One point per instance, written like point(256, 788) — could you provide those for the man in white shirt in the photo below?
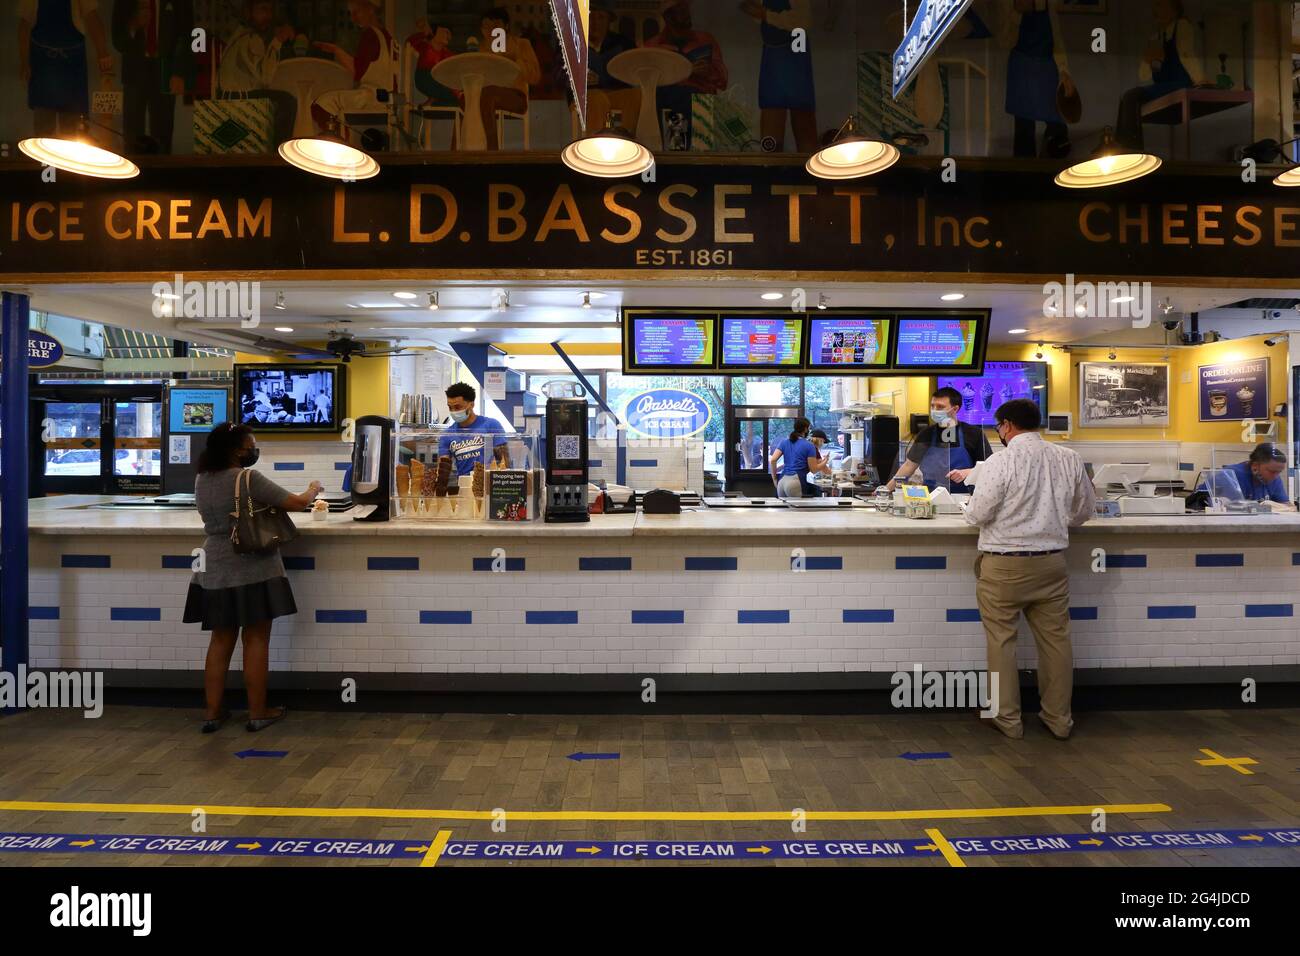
point(1026, 500)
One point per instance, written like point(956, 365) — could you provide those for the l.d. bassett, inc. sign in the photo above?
point(667, 413)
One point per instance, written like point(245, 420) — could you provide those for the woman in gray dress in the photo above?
point(237, 591)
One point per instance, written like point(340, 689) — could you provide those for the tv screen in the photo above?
point(940, 342)
point(666, 343)
point(194, 410)
point(761, 341)
point(290, 397)
point(1001, 382)
point(844, 343)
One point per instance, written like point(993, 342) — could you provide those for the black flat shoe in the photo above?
point(213, 724)
point(253, 726)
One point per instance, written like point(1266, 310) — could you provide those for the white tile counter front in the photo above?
point(726, 592)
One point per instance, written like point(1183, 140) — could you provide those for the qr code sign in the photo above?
point(567, 447)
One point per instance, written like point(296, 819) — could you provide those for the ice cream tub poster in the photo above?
point(1233, 391)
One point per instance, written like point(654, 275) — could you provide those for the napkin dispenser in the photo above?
point(661, 502)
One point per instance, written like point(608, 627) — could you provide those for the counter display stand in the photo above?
point(439, 479)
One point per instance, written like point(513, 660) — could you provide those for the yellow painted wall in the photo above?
point(367, 389)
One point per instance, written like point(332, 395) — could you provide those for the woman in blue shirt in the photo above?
point(1260, 476)
point(797, 457)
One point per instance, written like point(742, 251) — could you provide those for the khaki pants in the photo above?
point(1040, 587)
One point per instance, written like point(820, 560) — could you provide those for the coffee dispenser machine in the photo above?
point(374, 446)
point(566, 459)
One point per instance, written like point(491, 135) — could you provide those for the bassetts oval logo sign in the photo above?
point(667, 413)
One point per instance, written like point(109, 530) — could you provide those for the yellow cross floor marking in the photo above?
point(435, 848)
point(945, 848)
point(1234, 762)
point(393, 813)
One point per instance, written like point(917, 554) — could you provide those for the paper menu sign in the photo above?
point(494, 384)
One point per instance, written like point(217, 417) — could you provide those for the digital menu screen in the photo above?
point(1001, 382)
point(845, 342)
point(753, 341)
point(663, 342)
point(937, 342)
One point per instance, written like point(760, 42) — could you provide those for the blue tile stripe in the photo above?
point(643, 463)
point(446, 617)
point(177, 562)
point(658, 617)
point(711, 564)
point(299, 562)
point(595, 463)
point(35, 613)
point(1083, 614)
point(1125, 561)
point(1186, 466)
point(1220, 560)
point(87, 561)
point(289, 466)
point(821, 562)
point(604, 564)
point(762, 617)
point(512, 564)
point(962, 615)
point(376, 563)
point(1270, 610)
point(1171, 612)
point(922, 563)
point(135, 614)
point(357, 616)
point(869, 616)
point(550, 617)
point(1295, 559)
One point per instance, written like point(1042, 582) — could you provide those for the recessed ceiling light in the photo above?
point(1016, 331)
point(283, 328)
point(953, 297)
point(466, 328)
point(403, 295)
point(772, 296)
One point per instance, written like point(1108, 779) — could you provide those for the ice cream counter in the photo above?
point(711, 599)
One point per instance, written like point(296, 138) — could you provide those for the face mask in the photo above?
point(459, 416)
point(940, 418)
point(249, 458)
point(1001, 439)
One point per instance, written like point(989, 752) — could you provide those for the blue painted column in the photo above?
point(13, 480)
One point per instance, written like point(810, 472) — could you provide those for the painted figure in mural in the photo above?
point(249, 59)
point(708, 71)
point(785, 75)
point(1170, 62)
point(432, 44)
point(374, 66)
point(154, 38)
point(52, 60)
point(604, 93)
point(506, 99)
point(1036, 69)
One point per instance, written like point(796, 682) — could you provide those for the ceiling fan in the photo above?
point(343, 346)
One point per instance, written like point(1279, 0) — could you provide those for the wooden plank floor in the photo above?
point(706, 762)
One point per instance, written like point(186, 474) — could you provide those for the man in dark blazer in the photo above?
point(154, 38)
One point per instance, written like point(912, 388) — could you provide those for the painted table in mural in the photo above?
point(470, 72)
point(307, 77)
point(649, 68)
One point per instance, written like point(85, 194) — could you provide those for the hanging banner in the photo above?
point(571, 19)
point(933, 20)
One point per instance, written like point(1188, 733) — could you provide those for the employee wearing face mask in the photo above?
point(945, 450)
point(793, 459)
point(468, 437)
point(1260, 476)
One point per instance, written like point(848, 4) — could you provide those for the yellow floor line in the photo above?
point(393, 813)
point(945, 848)
point(435, 849)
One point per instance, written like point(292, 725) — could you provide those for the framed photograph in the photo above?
point(1082, 6)
point(1123, 395)
point(1234, 391)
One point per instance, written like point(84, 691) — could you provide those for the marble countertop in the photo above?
point(77, 515)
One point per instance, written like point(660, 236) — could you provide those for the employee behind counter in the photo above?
point(1260, 476)
point(466, 438)
point(945, 450)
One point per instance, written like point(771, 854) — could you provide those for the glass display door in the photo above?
point(96, 439)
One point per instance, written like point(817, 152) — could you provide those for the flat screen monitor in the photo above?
point(193, 411)
point(1001, 382)
point(940, 342)
point(848, 343)
point(290, 398)
point(667, 343)
point(761, 342)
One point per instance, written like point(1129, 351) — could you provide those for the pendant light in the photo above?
point(79, 155)
point(1111, 164)
point(1288, 177)
point(852, 154)
point(611, 153)
point(328, 155)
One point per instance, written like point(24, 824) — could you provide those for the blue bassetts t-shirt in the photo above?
point(466, 443)
point(795, 455)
